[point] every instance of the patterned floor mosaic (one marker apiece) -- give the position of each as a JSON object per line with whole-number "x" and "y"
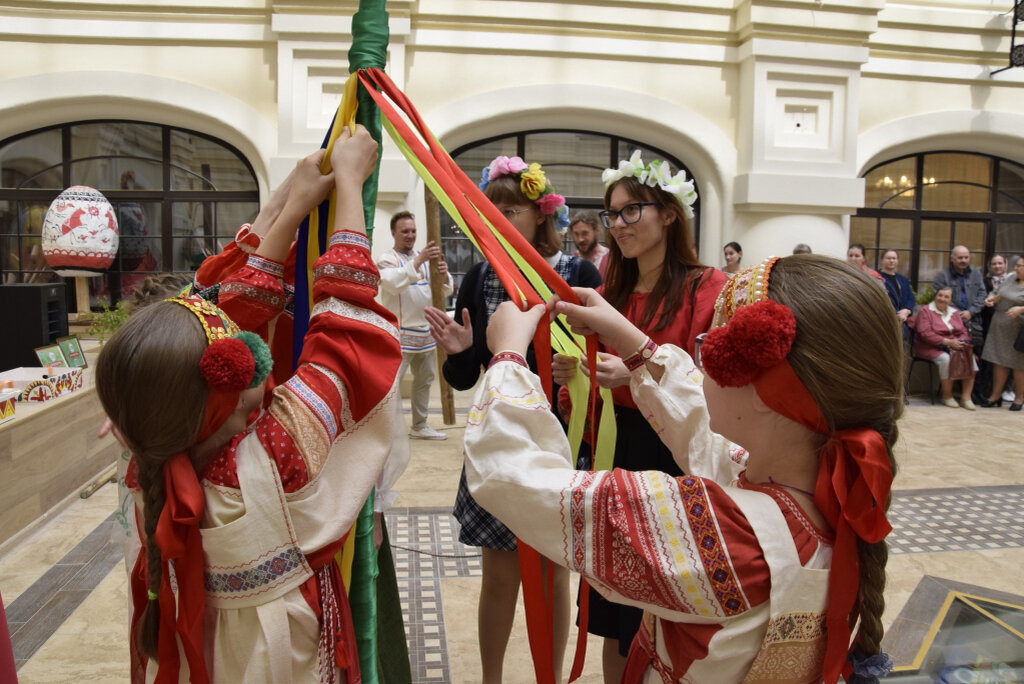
{"x": 956, "y": 519}
{"x": 425, "y": 545}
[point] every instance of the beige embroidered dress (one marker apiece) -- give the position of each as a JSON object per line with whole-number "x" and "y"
{"x": 732, "y": 576}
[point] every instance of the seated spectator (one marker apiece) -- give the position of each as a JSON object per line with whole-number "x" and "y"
{"x": 802, "y": 248}
{"x": 939, "y": 332}
{"x": 1008, "y": 303}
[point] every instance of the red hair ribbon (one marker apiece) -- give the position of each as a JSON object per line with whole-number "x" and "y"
{"x": 179, "y": 539}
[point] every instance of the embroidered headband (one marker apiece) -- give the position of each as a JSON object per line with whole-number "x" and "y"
{"x": 533, "y": 183}
{"x": 657, "y": 173}
{"x": 751, "y": 346}
{"x": 234, "y": 360}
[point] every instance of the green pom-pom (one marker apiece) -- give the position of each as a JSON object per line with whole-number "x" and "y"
{"x": 260, "y": 354}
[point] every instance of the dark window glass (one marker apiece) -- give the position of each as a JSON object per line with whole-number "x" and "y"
{"x": 970, "y": 199}
{"x": 179, "y": 196}
{"x": 33, "y": 161}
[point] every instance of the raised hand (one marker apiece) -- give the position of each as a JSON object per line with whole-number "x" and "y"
{"x": 451, "y": 336}
{"x": 308, "y": 187}
{"x": 354, "y": 154}
{"x": 510, "y": 329}
{"x": 595, "y": 315}
{"x": 429, "y": 253}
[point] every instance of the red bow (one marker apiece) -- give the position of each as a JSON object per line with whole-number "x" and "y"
{"x": 179, "y": 539}
{"x": 854, "y": 476}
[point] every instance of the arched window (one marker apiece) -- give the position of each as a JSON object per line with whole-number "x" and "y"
{"x": 923, "y": 205}
{"x": 179, "y": 196}
{"x": 573, "y": 161}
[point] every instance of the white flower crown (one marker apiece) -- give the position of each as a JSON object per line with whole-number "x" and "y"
{"x": 657, "y": 173}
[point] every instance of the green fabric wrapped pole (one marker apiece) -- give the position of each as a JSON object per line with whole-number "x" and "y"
{"x": 369, "y": 49}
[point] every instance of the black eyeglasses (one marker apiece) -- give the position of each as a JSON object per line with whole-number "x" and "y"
{"x": 630, "y": 213}
{"x": 697, "y": 342}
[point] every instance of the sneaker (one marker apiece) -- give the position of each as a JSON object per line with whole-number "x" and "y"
{"x": 969, "y": 405}
{"x": 950, "y": 402}
{"x": 426, "y": 432}
{"x": 1009, "y": 396}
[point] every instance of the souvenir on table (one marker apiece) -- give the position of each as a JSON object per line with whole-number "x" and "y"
{"x": 64, "y": 381}
{"x": 42, "y": 384}
{"x": 80, "y": 233}
{"x": 8, "y": 399}
{"x": 71, "y": 347}
{"x": 51, "y": 356}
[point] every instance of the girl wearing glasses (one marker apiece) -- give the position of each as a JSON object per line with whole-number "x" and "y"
{"x": 656, "y": 281}
{"x": 523, "y": 194}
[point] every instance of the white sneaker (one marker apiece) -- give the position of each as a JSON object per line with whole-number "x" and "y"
{"x": 426, "y": 432}
{"x": 1009, "y": 396}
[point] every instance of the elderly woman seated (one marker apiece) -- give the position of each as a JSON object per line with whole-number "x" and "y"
{"x": 938, "y": 332}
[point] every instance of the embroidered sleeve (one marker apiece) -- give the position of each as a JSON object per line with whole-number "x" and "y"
{"x": 676, "y": 409}
{"x": 350, "y": 354}
{"x": 253, "y": 295}
{"x": 671, "y": 546}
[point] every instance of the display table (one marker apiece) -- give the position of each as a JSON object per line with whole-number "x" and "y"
{"x": 49, "y": 452}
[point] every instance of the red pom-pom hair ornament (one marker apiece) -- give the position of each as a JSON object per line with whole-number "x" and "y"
{"x": 757, "y": 337}
{"x": 227, "y": 364}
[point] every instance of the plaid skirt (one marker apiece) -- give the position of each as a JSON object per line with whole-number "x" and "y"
{"x": 478, "y": 527}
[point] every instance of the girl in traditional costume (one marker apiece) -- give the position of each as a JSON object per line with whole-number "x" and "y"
{"x": 766, "y": 562}
{"x": 243, "y": 510}
{"x": 522, "y": 192}
{"x": 655, "y": 279}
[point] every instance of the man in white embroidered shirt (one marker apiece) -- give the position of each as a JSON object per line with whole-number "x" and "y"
{"x": 405, "y": 290}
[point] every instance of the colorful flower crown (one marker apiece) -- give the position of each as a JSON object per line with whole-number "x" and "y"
{"x": 534, "y": 184}
{"x": 657, "y": 173}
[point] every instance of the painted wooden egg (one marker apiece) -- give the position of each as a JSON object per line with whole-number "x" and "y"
{"x": 80, "y": 233}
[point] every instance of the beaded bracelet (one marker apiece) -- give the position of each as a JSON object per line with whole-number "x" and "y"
{"x": 637, "y": 359}
{"x": 508, "y": 356}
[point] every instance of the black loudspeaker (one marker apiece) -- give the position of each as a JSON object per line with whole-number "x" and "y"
{"x": 31, "y": 315}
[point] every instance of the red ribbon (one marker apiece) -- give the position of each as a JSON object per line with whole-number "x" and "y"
{"x": 854, "y": 477}
{"x": 469, "y": 200}
{"x": 179, "y": 539}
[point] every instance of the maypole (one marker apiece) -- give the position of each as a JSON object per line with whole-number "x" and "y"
{"x": 357, "y": 560}
{"x": 369, "y": 50}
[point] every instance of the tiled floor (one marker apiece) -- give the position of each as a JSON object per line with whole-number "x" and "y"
{"x": 956, "y": 515}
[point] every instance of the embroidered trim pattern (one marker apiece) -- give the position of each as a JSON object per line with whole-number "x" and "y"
{"x": 349, "y": 237}
{"x": 637, "y": 358}
{"x": 257, "y": 577}
{"x": 508, "y": 356}
{"x": 355, "y": 313}
{"x": 346, "y": 273}
{"x": 347, "y": 421}
{"x": 315, "y": 404}
{"x": 795, "y": 627}
{"x": 709, "y": 545}
{"x": 266, "y": 265}
{"x": 257, "y": 294}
